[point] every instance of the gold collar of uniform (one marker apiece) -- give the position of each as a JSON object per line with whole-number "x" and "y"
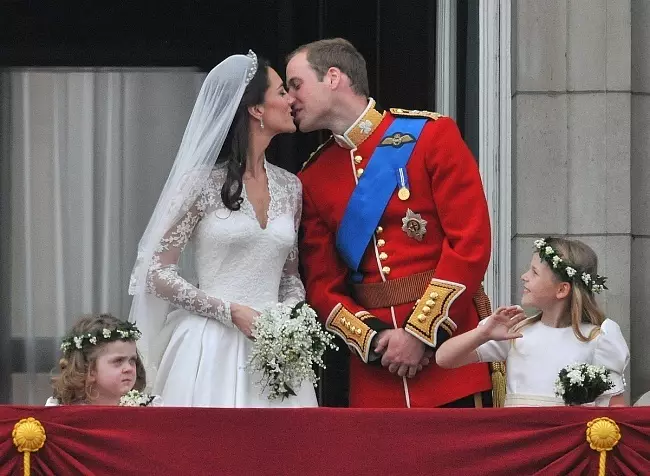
{"x": 362, "y": 128}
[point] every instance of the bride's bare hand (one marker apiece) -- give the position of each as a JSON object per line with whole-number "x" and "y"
{"x": 243, "y": 317}
{"x": 501, "y": 323}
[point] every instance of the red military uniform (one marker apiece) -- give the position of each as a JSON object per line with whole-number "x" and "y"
{"x": 431, "y": 248}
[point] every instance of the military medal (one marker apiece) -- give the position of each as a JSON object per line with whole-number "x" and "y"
{"x": 414, "y": 225}
{"x": 403, "y": 183}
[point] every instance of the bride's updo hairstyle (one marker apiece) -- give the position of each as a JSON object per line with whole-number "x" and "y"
{"x": 235, "y": 147}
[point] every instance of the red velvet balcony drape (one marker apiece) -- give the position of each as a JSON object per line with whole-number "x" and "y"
{"x": 182, "y": 441}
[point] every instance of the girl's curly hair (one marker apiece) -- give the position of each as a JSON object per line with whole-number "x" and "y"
{"x": 72, "y": 384}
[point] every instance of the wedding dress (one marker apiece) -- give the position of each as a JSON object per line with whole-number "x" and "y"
{"x": 237, "y": 260}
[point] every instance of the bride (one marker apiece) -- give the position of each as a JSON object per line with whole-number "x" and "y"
{"x": 240, "y": 214}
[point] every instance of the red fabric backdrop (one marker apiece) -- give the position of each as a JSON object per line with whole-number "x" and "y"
{"x": 175, "y": 441}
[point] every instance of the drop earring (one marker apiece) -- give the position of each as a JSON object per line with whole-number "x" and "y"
{"x": 261, "y": 123}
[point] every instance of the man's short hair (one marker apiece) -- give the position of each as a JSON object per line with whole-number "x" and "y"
{"x": 338, "y": 53}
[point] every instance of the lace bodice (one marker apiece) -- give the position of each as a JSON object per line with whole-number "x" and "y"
{"x": 236, "y": 259}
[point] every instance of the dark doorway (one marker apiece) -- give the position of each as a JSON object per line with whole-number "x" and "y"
{"x": 397, "y": 40}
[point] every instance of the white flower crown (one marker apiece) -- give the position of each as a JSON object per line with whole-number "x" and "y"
{"x": 595, "y": 284}
{"x": 124, "y": 331}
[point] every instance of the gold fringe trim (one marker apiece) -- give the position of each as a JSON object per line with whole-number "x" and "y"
{"x": 498, "y": 374}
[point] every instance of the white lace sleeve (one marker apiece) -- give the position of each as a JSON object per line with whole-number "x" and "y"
{"x": 292, "y": 290}
{"x": 163, "y": 278}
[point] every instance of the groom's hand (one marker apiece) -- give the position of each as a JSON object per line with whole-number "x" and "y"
{"x": 403, "y": 353}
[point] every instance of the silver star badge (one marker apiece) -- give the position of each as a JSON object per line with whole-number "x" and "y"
{"x": 414, "y": 225}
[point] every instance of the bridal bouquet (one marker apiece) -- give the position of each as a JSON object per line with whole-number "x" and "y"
{"x": 288, "y": 342}
{"x": 578, "y": 384}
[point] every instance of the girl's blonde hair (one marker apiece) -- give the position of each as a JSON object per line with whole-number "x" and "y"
{"x": 583, "y": 307}
{"x": 72, "y": 384}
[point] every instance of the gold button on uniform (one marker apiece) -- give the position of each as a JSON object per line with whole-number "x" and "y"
{"x": 380, "y": 230}
{"x": 381, "y": 243}
{"x": 386, "y": 270}
{"x": 430, "y": 302}
{"x": 357, "y": 159}
{"x": 422, "y": 317}
{"x": 433, "y": 295}
{"x": 359, "y": 172}
{"x": 383, "y": 256}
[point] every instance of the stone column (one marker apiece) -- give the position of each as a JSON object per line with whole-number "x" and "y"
{"x": 640, "y": 165}
{"x": 571, "y": 137}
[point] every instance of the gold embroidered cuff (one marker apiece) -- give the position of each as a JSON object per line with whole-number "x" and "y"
{"x": 432, "y": 311}
{"x": 351, "y": 328}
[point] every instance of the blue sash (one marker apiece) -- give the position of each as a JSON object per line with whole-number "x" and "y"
{"x": 377, "y": 184}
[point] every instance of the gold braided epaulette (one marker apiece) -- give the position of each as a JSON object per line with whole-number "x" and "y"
{"x": 314, "y": 155}
{"x": 415, "y": 113}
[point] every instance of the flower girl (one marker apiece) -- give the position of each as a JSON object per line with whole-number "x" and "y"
{"x": 569, "y": 329}
{"x": 101, "y": 365}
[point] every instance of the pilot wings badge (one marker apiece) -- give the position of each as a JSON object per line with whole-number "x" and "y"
{"x": 396, "y": 140}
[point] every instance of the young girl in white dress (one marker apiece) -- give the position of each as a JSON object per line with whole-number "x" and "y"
{"x": 570, "y": 328}
{"x": 101, "y": 365}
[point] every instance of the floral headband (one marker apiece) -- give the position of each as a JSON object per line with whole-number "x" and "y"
{"x": 595, "y": 284}
{"x": 124, "y": 331}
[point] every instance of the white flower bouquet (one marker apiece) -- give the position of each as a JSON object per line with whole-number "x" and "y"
{"x": 578, "y": 384}
{"x": 288, "y": 343}
{"x": 135, "y": 398}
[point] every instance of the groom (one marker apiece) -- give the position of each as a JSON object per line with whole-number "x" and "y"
{"x": 396, "y": 233}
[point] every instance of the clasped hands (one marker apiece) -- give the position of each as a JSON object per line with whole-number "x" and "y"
{"x": 402, "y": 353}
